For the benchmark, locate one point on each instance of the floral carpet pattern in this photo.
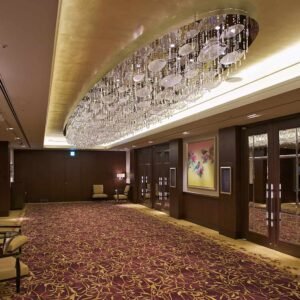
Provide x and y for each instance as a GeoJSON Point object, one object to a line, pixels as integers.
{"type": "Point", "coordinates": [106, 251]}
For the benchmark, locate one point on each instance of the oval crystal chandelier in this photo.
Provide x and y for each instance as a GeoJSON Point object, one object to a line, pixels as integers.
{"type": "Point", "coordinates": [161, 79]}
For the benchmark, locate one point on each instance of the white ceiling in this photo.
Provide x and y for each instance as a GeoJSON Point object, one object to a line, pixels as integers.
{"type": "Point", "coordinates": [44, 61]}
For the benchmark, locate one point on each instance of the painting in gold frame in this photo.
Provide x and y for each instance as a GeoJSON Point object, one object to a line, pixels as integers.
{"type": "Point", "coordinates": [201, 164]}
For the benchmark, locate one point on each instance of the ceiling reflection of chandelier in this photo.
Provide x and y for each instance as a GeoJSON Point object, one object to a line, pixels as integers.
{"type": "Point", "coordinates": [161, 79]}
{"type": "Point", "coordinates": [288, 138]}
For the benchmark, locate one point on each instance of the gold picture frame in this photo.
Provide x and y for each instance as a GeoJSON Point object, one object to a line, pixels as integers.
{"type": "Point", "coordinates": [201, 164]}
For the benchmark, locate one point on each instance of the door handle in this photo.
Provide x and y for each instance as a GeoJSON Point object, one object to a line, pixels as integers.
{"type": "Point", "coordinates": [279, 191]}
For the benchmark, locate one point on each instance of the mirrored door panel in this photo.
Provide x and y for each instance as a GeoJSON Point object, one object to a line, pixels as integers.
{"type": "Point", "coordinates": [259, 190]}
{"type": "Point", "coordinates": [147, 185]}
{"type": "Point", "coordinates": [273, 194]}
{"type": "Point", "coordinates": [289, 209]}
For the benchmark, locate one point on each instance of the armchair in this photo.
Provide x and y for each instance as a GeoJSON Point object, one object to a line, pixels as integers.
{"type": "Point", "coordinates": [10, 265]}
{"type": "Point", "coordinates": [123, 196]}
{"type": "Point", "coordinates": [8, 229]}
{"type": "Point", "coordinates": [98, 192]}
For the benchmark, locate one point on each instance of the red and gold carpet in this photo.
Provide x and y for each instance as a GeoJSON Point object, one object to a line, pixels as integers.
{"type": "Point", "coordinates": [103, 251]}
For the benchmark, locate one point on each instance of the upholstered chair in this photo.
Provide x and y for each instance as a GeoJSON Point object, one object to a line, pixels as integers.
{"type": "Point", "coordinates": [8, 229]}
{"type": "Point", "coordinates": [98, 192]}
{"type": "Point", "coordinates": [123, 196]}
{"type": "Point", "coordinates": [10, 265]}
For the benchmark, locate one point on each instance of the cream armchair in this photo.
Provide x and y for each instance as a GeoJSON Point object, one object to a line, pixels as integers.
{"type": "Point", "coordinates": [10, 265]}
{"type": "Point", "coordinates": [7, 230]}
{"type": "Point", "coordinates": [123, 196]}
{"type": "Point", "coordinates": [98, 192]}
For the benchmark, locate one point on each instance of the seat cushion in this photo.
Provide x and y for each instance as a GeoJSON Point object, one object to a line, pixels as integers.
{"type": "Point", "coordinates": [98, 189]}
{"type": "Point", "coordinates": [121, 197]}
{"type": "Point", "coordinates": [8, 268]}
{"type": "Point", "coordinates": [99, 196]}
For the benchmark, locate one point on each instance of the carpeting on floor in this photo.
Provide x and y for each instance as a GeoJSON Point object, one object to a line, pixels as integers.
{"type": "Point", "coordinates": [106, 251]}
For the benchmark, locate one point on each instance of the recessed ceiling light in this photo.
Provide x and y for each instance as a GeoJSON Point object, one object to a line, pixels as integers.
{"type": "Point", "coordinates": [234, 79]}
{"type": "Point", "coordinates": [186, 132]}
{"type": "Point", "coordinates": [217, 27]}
{"type": "Point", "coordinates": [133, 146]}
{"type": "Point", "coordinates": [17, 138]}
{"type": "Point", "coordinates": [150, 142]}
{"type": "Point", "coordinates": [252, 116]}
{"type": "Point", "coordinates": [9, 128]}
{"type": "Point", "coordinates": [172, 45]}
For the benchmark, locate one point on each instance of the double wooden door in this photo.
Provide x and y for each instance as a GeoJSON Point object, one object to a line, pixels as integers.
{"type": "Point", "coordinates": [162, 189]}
{"type": "Point", "coordinates": [273, 185]}
{"type": "Point", "coordinates": [145, 186]}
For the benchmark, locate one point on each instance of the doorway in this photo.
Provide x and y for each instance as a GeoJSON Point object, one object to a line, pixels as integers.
{"type": "Point", "coordinates": [273, 181]}
{"type": "Point", "coordinates": [161, 171]}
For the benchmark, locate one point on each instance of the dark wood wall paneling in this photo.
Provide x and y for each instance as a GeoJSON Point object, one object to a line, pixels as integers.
{"type": "Point", "coordinates": [201, 209]}
{"type": "Point", "coordinates": [230, 206]}
{"type": "Point", "coordinates": [219, 213]}
{"type": "Point", "coordinates": [4, 180]}
{"type": "Point", "coordinates": [176, 195]}
{"type": "Point", "coordinates": [52, 175]}
{"type": "Point", "coordinates": [133, 176]}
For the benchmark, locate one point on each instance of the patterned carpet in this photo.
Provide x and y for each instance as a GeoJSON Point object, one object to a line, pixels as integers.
{"type": "Point", "coordinates": [103, 251]}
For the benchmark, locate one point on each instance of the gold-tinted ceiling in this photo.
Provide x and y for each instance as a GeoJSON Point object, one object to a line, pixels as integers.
{"type": "Point", "coordinates": [93, 36]}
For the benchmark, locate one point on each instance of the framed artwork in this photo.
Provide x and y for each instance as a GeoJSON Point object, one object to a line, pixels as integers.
{"type": "Point", "coordinates": [173, 177]}
{"type": "Point", "coordinates": [201, 164]}
{"type": "Point", "coordinates": [225, 177]}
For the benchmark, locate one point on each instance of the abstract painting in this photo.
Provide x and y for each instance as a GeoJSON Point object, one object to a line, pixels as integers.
{"type": "Point", "coordinates": [201, 168]}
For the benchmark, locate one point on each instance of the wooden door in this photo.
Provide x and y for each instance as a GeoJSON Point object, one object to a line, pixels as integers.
{"type": "Point", "coordinates": [287, 186]}
{"type": "Point", "coordinates": [273, 185]}
{"type": "Point", "coordinates": [260, 186]}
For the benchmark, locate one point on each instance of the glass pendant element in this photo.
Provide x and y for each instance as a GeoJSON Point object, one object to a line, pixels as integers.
{"type": "Point", "coordinates": [161, 79]}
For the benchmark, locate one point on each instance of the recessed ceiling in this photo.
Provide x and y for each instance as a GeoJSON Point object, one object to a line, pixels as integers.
{"type": "Point", "coordinates": [92, 38]}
